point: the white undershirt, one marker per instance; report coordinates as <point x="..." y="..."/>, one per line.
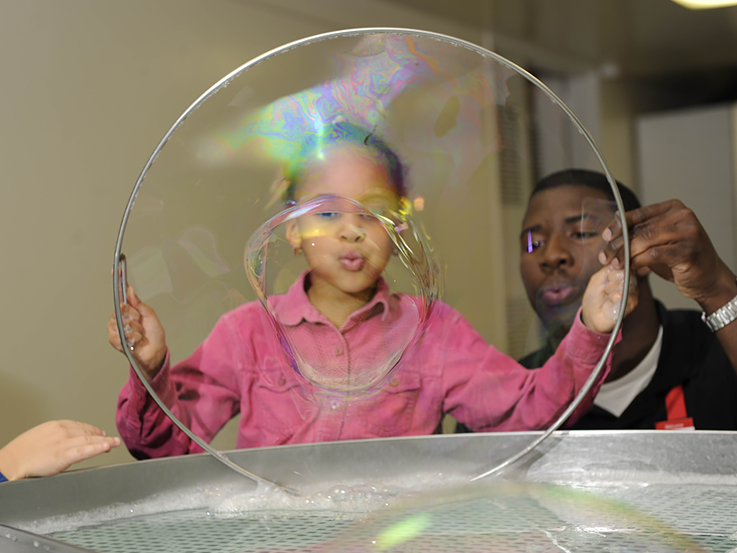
<point x="616" y="396"/>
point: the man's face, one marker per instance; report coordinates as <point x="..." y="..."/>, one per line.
<point x="561" y="241"/>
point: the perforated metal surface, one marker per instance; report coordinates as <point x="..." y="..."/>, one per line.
<point x="532" y="519"/>
<point x="593" y="491"/>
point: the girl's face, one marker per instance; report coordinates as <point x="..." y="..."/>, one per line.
<point x="346" y="251"/>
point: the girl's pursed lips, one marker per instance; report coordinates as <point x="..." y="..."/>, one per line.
<point x="352" y="260"/>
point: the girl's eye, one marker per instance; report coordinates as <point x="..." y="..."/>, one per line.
<point x="328" y="215"/>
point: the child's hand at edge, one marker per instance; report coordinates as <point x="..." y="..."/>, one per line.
<point x="143" y="332"/>
<point x="600" y="306"/>
<point x="51" y="448"/>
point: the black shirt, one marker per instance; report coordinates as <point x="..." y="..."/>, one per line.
<point x="692" y="357"/>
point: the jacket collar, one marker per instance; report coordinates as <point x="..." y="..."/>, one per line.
<point x="294" y="307"/>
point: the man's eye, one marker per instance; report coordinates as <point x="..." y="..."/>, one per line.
<point x="583" y="234"/>
<point x="531" y="244"/>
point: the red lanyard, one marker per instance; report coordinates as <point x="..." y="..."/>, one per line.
<point x="678" y="418"/>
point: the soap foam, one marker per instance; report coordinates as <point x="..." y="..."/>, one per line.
<point x="345" y="499"/>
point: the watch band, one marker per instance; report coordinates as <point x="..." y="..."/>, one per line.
<point x="722" y="316"/>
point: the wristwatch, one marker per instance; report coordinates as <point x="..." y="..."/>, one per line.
<point x="722" y="316"/>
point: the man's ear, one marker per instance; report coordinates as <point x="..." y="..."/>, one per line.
<point x="293" y="235"/>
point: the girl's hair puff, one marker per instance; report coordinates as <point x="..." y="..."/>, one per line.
<point x="339" y="132"/>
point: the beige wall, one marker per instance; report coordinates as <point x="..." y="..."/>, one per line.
<point x="88" y="90"/>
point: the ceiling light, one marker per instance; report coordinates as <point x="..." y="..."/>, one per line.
<point x="702" y="4"/>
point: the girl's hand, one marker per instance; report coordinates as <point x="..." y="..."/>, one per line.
<point x="51" y="448"/>
<point x="143" y="332"/>
<point x="602" y="297"/>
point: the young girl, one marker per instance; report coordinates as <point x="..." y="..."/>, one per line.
<point x="241" y="367"/>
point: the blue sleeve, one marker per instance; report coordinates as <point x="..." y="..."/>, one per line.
<point x="2" y="478"/>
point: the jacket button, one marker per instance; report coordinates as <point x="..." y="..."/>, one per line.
<point x="338" y="351"/>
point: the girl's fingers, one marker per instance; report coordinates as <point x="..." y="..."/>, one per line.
<point x="85" y="440"/>
<point x="146" y="311"/>
<point x="114" y="338"/>
<point x="133" y="326"/>
<point x="75" y="428"/>
<point x="614" y="279"/>
<point x="135" y="339"/>
<point x="112" y="326"/>
<point x="130" y="313"/>
<point x="80" y="452"/>
<point x="613" y="288"/>
<point x="603" y="297"/>
<point x="132" y="298"/>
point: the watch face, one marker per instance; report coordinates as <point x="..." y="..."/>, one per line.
<point x="722" y="316"/>
<point x="728" y="313"/>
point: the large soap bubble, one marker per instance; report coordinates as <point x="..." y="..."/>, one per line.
<point x="313" y="207"/>
<point x="349" y="246"/>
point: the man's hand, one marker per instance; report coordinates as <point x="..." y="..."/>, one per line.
<point x="668" y="239"/>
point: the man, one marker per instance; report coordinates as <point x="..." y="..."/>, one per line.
<point x="670" y="370"/>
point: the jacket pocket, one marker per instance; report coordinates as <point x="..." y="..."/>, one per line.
<point x="275" y="412"/>
<point x="391" y="411"/>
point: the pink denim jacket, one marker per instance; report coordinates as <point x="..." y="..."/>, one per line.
<point x="241" y="368"/>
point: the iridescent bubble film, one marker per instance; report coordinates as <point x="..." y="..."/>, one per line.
<point x="509" y="517"/>
<point x="346" y="245"/>
<point x="358" y="198"/>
